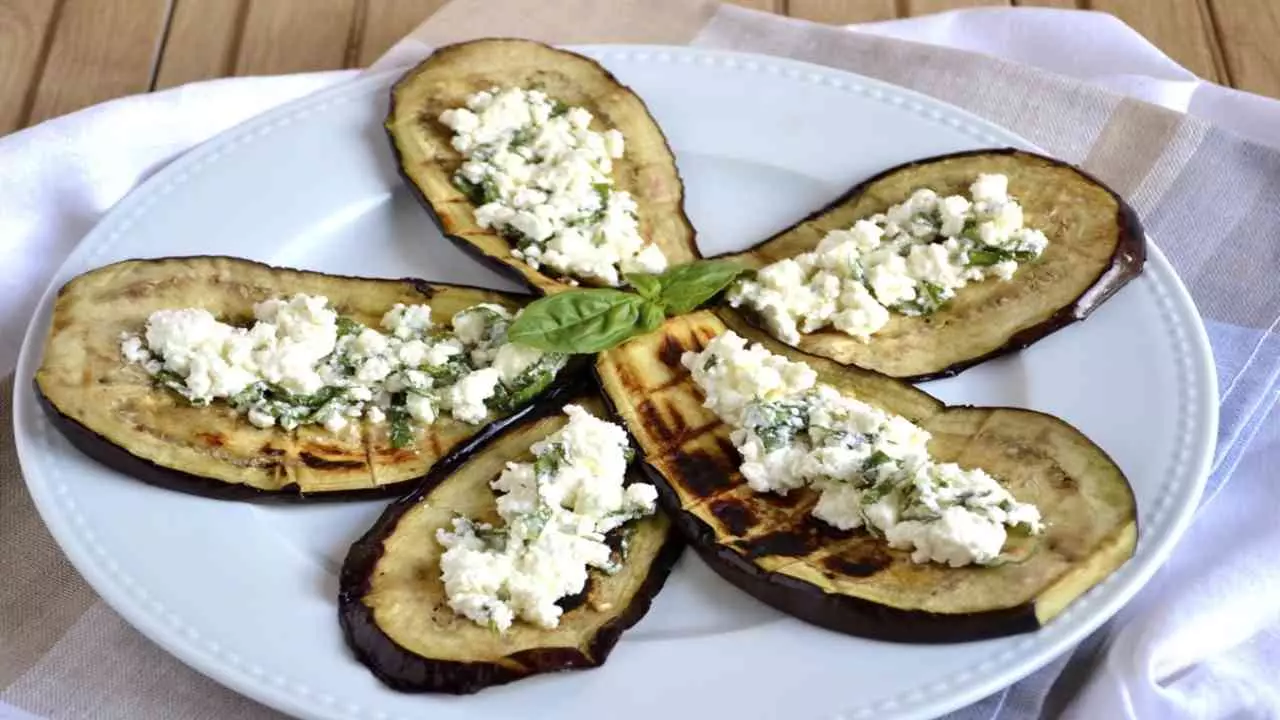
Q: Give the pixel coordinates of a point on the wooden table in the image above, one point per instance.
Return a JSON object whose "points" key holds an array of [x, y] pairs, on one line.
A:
{"points": [[61, 55]]}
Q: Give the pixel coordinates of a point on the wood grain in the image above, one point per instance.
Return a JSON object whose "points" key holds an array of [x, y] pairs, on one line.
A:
{"points": [[101, 49], [286, 36], [1175, 26], [843, 12], [925, 7], [1250, 39], [60, 55], [25, 34], [202, 41], [773, 6], [386, 21]]}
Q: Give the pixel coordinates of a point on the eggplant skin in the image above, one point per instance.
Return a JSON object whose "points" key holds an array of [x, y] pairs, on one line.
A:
{"points": [[1078, 272], [471, 658], [771, 546], [426, 160], [113, 412]]}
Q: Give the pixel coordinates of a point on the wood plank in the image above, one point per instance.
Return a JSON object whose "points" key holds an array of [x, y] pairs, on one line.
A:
{"points": [[773, 6], [286, 36], [26, 29], [386, 21], [1248, 30], [1064, 4], [843, 12], [924, 7], [202, 41], [1175, 26], [101, 49]]}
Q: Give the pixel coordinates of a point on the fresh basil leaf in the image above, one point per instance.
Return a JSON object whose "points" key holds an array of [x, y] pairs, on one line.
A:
{"points": [[685, 287], [651, 317], [646, 286], [583, 321]]}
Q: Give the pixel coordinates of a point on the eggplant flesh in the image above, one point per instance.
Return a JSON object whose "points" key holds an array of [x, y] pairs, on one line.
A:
{"points": [[773, 548], [114, 412], [427, 159], [1096, 245], [392, 603]]}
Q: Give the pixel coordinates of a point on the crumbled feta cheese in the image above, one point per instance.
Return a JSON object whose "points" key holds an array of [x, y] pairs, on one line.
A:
{"points": [[407, 321], [299, 365], [472, 325], [513, 359], [421, 408], [556, 513], [439, 353], [467, 396], [335, 422], [911, 260], [133, 349], [544, 175], [261, 418], [871, 469]]}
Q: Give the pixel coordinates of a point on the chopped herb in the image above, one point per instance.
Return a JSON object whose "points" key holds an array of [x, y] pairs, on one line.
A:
{"points": [[537, 520], [778, 423], [347, 326], [528, 385], [875, 493], [876, 459], [450, 372], [480, 193], [558, 108], [171, 379], [549, 462], [523, 136], [494, 538], [399, 421]]}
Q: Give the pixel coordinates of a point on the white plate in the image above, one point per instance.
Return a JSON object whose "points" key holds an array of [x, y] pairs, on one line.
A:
{"points": [[246, 594]]}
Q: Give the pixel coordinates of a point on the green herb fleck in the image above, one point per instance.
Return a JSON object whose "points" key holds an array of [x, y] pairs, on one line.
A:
{"points": [[347, 326], [400, 422]]}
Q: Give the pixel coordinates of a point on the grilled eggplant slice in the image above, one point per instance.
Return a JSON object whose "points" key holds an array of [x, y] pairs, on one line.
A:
{"points": [[114, 412], [773, 548], [392, 603], [427, 159], [1096, 245]]}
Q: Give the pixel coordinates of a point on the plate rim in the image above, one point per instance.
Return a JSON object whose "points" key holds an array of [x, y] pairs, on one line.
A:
{"points": [[181, 640]]}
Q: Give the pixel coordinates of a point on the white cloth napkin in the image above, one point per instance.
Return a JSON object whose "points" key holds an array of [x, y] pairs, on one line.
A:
{"points": [[1202, 642]]}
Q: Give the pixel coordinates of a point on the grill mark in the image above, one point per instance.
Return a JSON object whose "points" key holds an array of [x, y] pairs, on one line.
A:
{"points": [[735, 515], [725, 445], [628, 378], [318, 463], [699, 472], [783, 542], [797, 542], [655, 423], [670, 351], [820, 529], [271, 451], [866, 562], [789, 500]]}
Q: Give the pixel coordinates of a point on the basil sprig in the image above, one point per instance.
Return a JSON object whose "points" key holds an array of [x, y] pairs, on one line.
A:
{"points": [[589, 321]]}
